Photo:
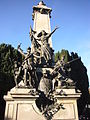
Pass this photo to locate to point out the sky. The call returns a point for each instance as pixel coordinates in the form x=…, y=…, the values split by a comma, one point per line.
x=71, y=16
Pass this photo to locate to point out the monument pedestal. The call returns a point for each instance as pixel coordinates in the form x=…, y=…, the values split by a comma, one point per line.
x=20, y=105
x=69, y=102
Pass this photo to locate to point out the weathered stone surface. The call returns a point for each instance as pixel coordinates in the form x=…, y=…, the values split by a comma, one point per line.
x=20, y=105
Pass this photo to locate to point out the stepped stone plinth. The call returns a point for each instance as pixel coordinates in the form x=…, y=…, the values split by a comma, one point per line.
x=21, y=105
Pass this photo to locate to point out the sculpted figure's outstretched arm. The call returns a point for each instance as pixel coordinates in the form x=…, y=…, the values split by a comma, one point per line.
x=31, y=31
x=20, y=50
x=32, y=34
x=53, y=31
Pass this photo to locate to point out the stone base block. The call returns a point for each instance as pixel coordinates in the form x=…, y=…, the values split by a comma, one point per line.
x=20, y=105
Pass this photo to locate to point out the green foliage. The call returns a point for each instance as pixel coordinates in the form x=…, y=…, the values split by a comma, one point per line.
x=57, y=55
x=78, y=74
x=63, y=52
x=7, y=57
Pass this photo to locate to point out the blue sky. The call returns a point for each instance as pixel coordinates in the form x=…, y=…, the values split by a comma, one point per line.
x=72, y=16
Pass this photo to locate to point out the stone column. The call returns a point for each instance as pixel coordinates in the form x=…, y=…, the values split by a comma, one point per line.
x=41, y=16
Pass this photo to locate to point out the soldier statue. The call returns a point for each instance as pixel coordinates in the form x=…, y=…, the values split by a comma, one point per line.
x=27, y=65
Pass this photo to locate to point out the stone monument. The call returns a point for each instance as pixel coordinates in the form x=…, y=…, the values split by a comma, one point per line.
x=43, y=88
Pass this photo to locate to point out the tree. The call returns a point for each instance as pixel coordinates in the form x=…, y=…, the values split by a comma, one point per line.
x=63, y=52
x=78, y=74
x=8, y=55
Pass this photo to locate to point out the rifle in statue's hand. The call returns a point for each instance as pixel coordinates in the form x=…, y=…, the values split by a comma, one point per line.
x=27, y=58
x=73, y=60
x=60, y=65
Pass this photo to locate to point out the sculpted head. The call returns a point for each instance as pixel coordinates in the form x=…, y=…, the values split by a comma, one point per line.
x=43, y=32
x=28, y=49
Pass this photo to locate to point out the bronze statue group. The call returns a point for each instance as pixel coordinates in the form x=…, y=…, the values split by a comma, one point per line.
x=38, y=67
x=41, y=74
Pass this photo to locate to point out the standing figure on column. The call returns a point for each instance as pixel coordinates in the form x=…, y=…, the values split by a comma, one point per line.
x=46, y=50
x=26, y=65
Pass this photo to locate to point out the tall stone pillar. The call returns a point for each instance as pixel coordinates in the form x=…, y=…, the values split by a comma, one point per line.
x=41, y=16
